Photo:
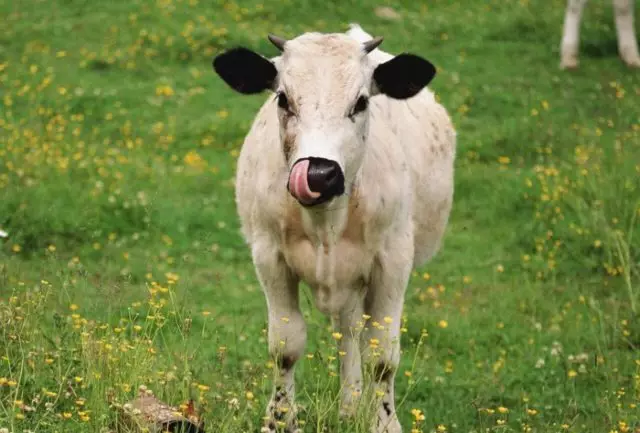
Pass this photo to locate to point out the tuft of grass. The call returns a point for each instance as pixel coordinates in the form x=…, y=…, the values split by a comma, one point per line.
x=124, y=267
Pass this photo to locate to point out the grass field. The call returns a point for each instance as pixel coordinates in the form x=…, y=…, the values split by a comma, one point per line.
x=124, y=265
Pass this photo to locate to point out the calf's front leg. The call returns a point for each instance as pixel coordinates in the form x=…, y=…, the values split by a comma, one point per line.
x=384, y=303
x=350, y=323
x=287, y=333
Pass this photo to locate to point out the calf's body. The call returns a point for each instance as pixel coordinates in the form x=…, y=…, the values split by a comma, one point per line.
x=356, y=250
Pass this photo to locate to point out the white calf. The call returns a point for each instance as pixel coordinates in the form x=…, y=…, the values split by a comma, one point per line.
x=627, y=43
x=345, y=181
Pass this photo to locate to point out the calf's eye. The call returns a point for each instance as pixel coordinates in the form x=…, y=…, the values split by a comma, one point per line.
x=283, y=102
x=361, y=104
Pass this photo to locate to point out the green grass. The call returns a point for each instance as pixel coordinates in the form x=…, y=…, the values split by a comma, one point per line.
x=125, y=266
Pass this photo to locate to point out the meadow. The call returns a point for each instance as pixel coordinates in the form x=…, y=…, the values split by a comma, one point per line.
x=124, y=266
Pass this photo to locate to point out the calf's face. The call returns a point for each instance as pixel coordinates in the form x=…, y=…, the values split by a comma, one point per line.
x=322, y=84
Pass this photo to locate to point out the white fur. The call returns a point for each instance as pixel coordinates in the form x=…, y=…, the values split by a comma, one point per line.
x=627, y=42
x=356, y=252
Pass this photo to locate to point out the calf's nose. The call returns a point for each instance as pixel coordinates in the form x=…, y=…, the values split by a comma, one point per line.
x=315, y=180
x=324, y=176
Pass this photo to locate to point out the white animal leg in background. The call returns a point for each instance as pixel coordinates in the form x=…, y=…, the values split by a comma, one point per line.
x=627, y=42
x=571, y=34
x=350, y=323
x=287, y=331
x=384, y=304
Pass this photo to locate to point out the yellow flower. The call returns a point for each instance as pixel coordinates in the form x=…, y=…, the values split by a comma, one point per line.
x=503, y=409
x=193, y=159
x=164, y=90
x=337, y=335
x=443, y=324
x=572, y=373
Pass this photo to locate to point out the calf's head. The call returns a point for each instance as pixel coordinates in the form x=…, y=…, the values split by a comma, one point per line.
x=322, y=85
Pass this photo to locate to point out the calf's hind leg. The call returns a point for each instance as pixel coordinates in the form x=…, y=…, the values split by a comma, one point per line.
x=627, y=41
x=571, y=34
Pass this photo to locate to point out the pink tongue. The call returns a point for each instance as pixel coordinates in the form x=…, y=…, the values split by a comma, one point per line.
x=298, y=184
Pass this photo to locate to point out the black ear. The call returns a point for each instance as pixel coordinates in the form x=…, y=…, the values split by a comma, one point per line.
x=245, y=71
x=403, y=76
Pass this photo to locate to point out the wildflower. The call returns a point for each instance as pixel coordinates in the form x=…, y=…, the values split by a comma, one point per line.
x=387, y=319
x=572, y=373
x=249, y=395
x=503, y=409
x=443, y=324
x=164, y=90
x=417, y=414
x=337, y=335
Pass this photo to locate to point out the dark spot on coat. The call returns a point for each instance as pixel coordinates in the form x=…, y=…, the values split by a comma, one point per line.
x=383, y=372
x=386, y=407
x=286, y=362
x=287, y=145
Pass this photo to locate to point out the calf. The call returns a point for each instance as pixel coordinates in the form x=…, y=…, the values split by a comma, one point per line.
x=627, y=42
x=345, y=182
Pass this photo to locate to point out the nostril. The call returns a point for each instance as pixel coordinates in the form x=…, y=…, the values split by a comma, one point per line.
x=324, y=176
x=332, y=175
